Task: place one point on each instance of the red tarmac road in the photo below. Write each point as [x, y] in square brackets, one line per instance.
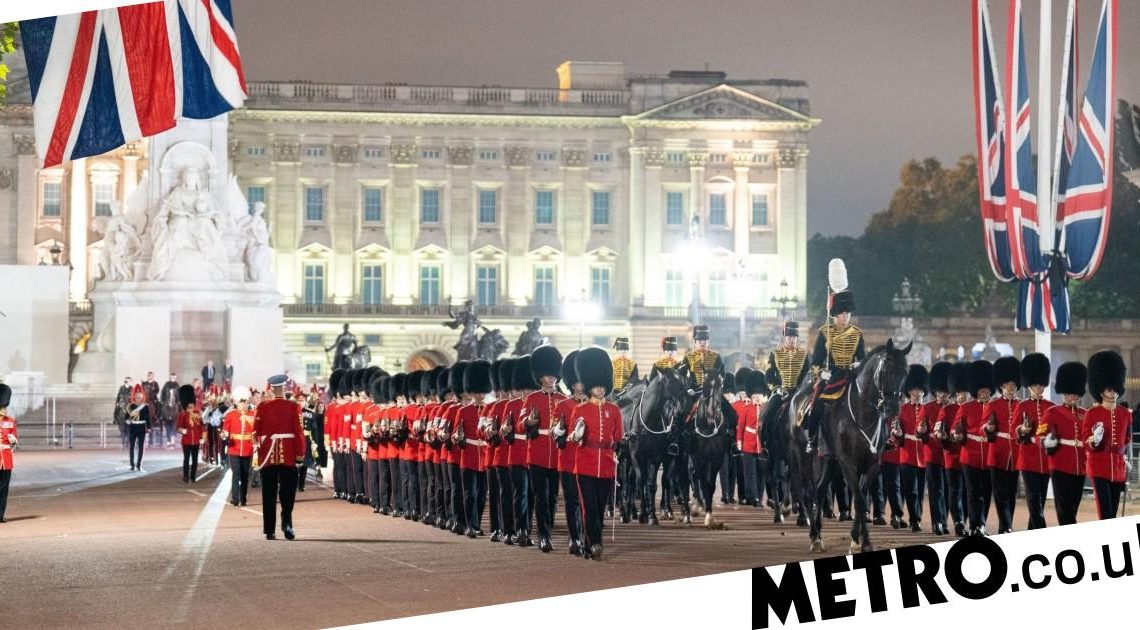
[90, 544]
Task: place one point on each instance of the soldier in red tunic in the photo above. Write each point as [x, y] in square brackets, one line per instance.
[409, 451]
[192, 430]
[501, 466]
[1107, 432]
[457, 523]
[970, 425]
[1029, 418]
[373, 414]
[748, 413]
[597, 431]
[332, 431]
[1063, 444]
[542, 458]
[476, 386]
[489, 433]
[429, 448]
[279, 441]
[945, 431]
[1000, 430]
[568, 453]
[9, 437]
[911, 465]
[524, 385]
[237, 431]
[932, 445]
[442, 439]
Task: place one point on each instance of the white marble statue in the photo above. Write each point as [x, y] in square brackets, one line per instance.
[121, 248]
[188, 221]
[256, 254]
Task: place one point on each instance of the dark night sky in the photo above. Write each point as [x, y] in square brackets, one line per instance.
[890, 79]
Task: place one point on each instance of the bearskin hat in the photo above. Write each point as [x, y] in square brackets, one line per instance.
[399, 385]
[455, 379]
[443, 382]
[569, 374]
[668, 344]
[842, 302]
[521, 376]
[334, 381]
[940, 376]
[1071, 378]
[1106, 371]
[378, 389]
[6, 395]
[621, 343]
[791, 329]
[728, 385]
[360, 380]
[594, 369]
[959, 380]
[427, 381]
[496, 384]
[390, 390]
[916, 377]
[186, 396]
[412, 385]
[346, 383]
[477, 377]
[700, 332]
[980, 376]
[1007, 370]
[1035, 369]
[741, 379]
[755, 383]
[506, 371]
[545, 361]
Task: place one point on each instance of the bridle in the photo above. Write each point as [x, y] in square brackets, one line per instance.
[718, 425]
[876, 380]
[639, 413]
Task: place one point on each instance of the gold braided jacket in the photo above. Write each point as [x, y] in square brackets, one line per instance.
[623, 368]
[699, 362]
[841, 345]
[789, 364]
[665, 363]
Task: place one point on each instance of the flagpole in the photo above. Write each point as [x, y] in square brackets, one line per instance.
[1043, 341]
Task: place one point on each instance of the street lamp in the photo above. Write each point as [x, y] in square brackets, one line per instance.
[581, 311]
[694, 254]
[783, 302]
[906, 304]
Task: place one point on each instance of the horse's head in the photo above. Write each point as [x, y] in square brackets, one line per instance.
[884, 372]
[673, 391]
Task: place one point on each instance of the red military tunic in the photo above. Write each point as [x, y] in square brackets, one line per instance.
[357, 426]
[1031, 456]
[373, 413]
[451, 451]
[441, 414]
[1002, 452]
[503, 450]
[191, 427]
[747, 426]
[346, 425]
[8, 436]
[517, 450]
[239, 426]
[1065, 424]
[890, 451]
[910, 447]
[595, 457]
[278, 436]
[568, 455]
[395, 417]
[332, 424]
[951, 451]
[430, 450]
[468, 418]
[931, 446]
[540, 449]
[1106, 461]
[490, 421]
[973, 451]
[410, 449]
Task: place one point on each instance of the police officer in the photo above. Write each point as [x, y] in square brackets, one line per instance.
[279, 442]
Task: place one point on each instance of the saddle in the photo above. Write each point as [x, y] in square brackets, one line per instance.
[833, 390]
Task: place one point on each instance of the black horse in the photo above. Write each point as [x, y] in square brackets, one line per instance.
[854, 434]
[709, 442]
[649, 411]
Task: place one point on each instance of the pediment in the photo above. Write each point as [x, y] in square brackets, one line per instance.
[724, 102]
[431, 237]
[315, 236]
[372, 238]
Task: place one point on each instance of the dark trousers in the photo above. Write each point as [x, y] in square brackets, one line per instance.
[751, 476]
[340, 486]
[890, 476]
[936, 485]
[876, 496]
[447, 501]
[506, 500]
[136, 437]
[5, 480]
[422, 502]
[428, 487]
[545, 490]
[480, 500]
[470, 497]
[1067, 492]
[776, 486]
[212, 443]
[911, 491]
[955, 494]
[979, 491]
[573, 507]
[396, 485]
[1005, 497]
[189, 462]
[372, 482]
[440, 485]
[593, 492]
[1036, 486]
[494, 499]
[1107, 496]
[349, 477]
[727, 478]
[302, 475]
[410, 481]
[358, 472]
[239, 482]
[278, 483]
[455, 475]
[520, 483]
[384, 485]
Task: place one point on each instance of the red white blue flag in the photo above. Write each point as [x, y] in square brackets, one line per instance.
[100, 79]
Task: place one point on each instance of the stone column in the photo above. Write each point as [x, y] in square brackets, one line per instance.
[653, 270]
[130, 170]
[787, 203]
[637, 232]
[26, 211]
[77, 221]
[285, 209]
[742, 210]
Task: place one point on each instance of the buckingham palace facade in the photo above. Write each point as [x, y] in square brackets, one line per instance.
[655, 199]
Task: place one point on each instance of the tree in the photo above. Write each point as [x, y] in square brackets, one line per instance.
[8, 32]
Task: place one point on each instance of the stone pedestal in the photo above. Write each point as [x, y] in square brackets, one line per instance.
[33, 329]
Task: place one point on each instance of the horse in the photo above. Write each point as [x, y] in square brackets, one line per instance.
[649, 411]
[854, 433]
[709, 442]
[491, 344]
[361, 357]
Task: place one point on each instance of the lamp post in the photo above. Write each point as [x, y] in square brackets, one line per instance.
[581, 311]
[695, 255]
[740, 289]
[783, 301]
[906, 304]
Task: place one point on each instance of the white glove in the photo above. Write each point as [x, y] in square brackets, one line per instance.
[1098, 434]
[1051, 441]
[11, 439]
[856, 364]
[739, 445]
[825, 375]
[579, 431]
[483, 424]
[182, 431]
[559, 430]
[1127, 464]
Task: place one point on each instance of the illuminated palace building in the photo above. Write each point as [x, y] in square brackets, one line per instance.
[389, 204]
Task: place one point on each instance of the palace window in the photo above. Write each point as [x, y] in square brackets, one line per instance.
[544, 156]
[373, 153]
[53, 192]
[600, 285]
[488, 204]
[544, 286]
[429, 284]
[716, 287]
[603, 157]
[430, 154]
[254, 194]
[544, 207]
[373, 205]
[674, 208]
[312, 372]
[314, 151]
[675, 157]
[312, 339]
[488, 155]
[674, 288]
[760, 210]
[429, 205]
[314, 204]
[718, 209]
[314, 284]
[372, 340]
[600, 205]
[716, 157]
[372, 283]
[486, 285]
[104, 194]
[255, 151]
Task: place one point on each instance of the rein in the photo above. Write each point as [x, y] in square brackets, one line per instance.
[640, 414]
[716, 427]
[872, 441]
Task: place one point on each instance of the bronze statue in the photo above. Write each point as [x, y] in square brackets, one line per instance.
[467, 348]
[345, 346]
[529, 339]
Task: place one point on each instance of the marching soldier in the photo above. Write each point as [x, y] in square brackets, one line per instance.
[332, 431]
[278, 444]
[970, 425]
[523, 379]
[1107, 432]
[597, 431]
[951, 440]
[546, 369]
[489, 433]
[906, 434]
[237, 428]
[748, 411]
[377, 490]
[454, 441]
[1029, 418]
[1062, 441]
[430, 463]
[476, 385]
[839, 347]
[397, 434]
[668, 360]
[409, 451]
[501, 426]
[443, 440]
[1001, 434]
[929, 432]
[138, 425]
[9, 437]
[625, 370]
[568, 453]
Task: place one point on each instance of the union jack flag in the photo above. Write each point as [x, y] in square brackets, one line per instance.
[100, 79]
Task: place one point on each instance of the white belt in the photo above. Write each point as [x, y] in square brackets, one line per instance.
[1076, 443]
[976, 438]
[470, 442]
[544, 431]
[136, 421]
[5, 447]
[1004, 435]
[273, 444]
[520, 436]
[748, 430]
[910, 436]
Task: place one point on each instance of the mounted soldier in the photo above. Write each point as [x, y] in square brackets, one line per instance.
[838, 349]
[668, 360]
[625, 370]
[698, 365]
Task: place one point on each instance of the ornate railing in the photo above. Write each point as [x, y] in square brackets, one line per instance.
[417, 310]
[284, 92]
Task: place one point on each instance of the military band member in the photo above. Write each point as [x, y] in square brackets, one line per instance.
[625, 370]
[952, 441]
[748, 411]
[928, 432]
[911, 465]
[568, 454]
[1001, 432]
[279, 442]
[1107, 432]
[138, 425]
[970, 424]
[375, 481]
[1029, 420]
[237, 430]
[523, 378]
[668, 360]
[597, 431]
[542, 459]
[1062, 441]
[501, 426]
[839, 347]
[9, 437]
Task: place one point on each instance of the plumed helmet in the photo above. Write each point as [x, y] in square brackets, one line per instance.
[1035, 369]
[668, 344]
[841, 302]
[378, 389]
[837, 275]
[455, 379]
[1106, 371]
[728, 385]
[545, 361]
[186, 396]
[981, 376]
[741, 379]
[240, 393]
[1007, 370]
[1071, 378]
[594, 369]
[959, 378]
[334, 381]
[443, 382]
[506, 374]
[399, 385]
[621, 343]
[940, 376]
[700, 332]
[569, 374]
[477, 377]
[496, 384]
[756, 383]
[521, 376]
[916, 377]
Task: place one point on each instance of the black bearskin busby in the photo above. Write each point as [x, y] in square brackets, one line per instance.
[477, 377]
[496, 384]
[1035, 370]
[186, 396]
[399, 385]
[6, 395]
[545, 361]
[344, 387]
[455, 379]
[427, 382]
[1106, 371]
[1007, 370]
[378, 389]
[506, 373]
[728, 385]
[842, 302]
[443, 382]
[669, 344]
[940, 376]
[521, 376]
[756, 384]
[700, 332]
[594, 369]
[621, 343]
[741, 378]
[334, 381]
[569, 374]
[959, 380]
[412, 385]
[360, 380]
[390, 391]
[981, 376]
[1071, 378]
[917, 377]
